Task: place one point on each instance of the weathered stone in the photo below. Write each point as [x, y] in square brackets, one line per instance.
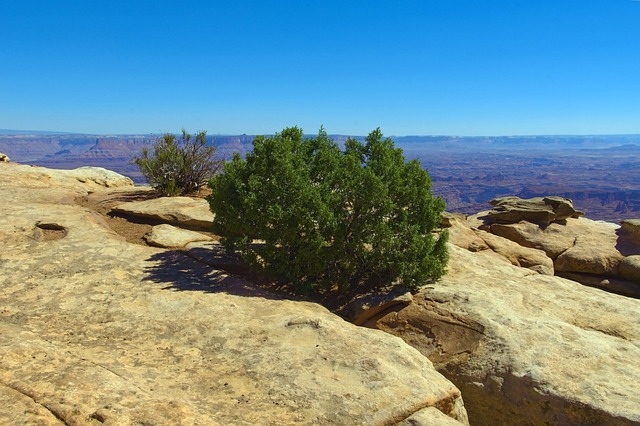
[620, 286]
[96, 330]
[363, 308]
[464, 237]
[577, 245]
[553, 239]
[526, 348]
[180, 211]
[594, 251]
[518, 255]
[448, 219]
[170, 236]
[537, 210]
[629, 267]
[4, 158]
[428, 417]
[632, 228]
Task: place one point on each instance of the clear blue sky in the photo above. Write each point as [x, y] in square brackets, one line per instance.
[454, 67]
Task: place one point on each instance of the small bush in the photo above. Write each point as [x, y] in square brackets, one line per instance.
[327, 218]
[179, 166]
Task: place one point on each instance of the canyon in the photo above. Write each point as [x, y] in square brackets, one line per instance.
[599, 173]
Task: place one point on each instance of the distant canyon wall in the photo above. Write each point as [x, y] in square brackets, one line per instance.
[598, 173]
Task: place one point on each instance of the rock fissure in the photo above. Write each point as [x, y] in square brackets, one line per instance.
[55, 413]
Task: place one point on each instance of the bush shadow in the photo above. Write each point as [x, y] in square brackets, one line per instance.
[210, 269]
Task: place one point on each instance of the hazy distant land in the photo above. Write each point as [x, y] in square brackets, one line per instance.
[599, 173]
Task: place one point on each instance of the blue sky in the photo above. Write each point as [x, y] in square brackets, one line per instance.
[446, 67]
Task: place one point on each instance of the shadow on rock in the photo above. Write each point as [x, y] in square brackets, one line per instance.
[209, 271]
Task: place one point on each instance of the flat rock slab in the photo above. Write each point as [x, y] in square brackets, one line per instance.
[169, 236]
[94, 330]
[538, 210]
[526, 348]
[180, 211]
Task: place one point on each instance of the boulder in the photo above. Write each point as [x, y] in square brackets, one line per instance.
[96, 330]
[100, 176]
[169, 236]
[577, 245]
[629, 267]
[525, 348]
[553, 239]
[184, 212]
[537, 210]
[632, 228]
[4, 158]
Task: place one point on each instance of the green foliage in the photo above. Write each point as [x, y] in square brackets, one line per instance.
[307, 213]
[179, 166]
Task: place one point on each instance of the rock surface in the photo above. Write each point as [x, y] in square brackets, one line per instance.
[525, 348]
[180, 211]
[518, 255]
[94, 330]
[632, 228]
[537, 210]
[4, 158]
[169, 236]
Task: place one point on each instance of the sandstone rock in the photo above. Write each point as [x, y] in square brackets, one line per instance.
[578, 245]
[4, 158]
[527, 349]
[553, 239]
[180, 211]
[365, 307]
[537, 210]
[428, 417]
[170, 236]
[629, 267]
[518, 255]
[448, 219]
[100, 176]
[464, 237]
[632, 227]
[594, 251]
[620, 286]
[95, 330]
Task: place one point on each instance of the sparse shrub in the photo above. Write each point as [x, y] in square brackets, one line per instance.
[307, 213]
[179, 166]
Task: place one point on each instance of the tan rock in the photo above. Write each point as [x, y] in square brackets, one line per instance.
[594, 251]
[553, 239]
[578, 245]
[527, 348]
[96, 330]
[632, 228]
[620, 286]
[518, 255]
[538, 210]
[169, 236]
[428, 417]
[629, 267]
[365, 307]
[461, 235]
[448, 219]
[4, 158]
[180, 211]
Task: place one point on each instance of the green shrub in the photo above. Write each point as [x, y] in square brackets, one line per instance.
[179, 166]
[307, 213]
